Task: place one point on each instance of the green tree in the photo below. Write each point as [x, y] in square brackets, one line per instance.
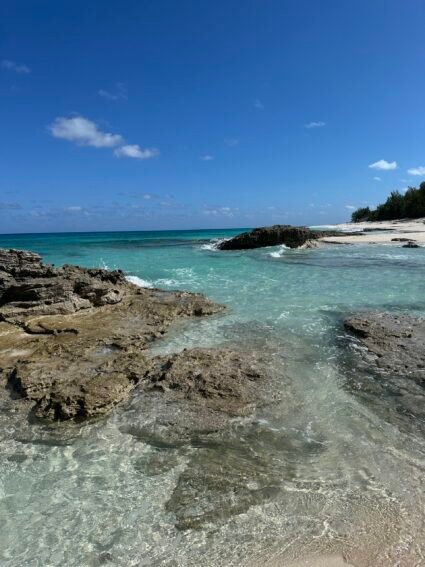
[361, 215]
[397, 206]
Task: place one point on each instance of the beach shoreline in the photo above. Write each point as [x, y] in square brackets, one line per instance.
[380, 232]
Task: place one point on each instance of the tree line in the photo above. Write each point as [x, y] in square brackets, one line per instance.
[411, 205]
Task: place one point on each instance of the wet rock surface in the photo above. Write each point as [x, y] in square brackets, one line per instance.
[199, 404]
[290, 236]
[73, 341]
[392, 364]
[220, 379]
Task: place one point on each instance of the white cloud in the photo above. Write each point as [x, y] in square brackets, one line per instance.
[83, 132]
[76, 210]
[383, 165]
[16, 67]
[9, 206]
[207, 158]
[119, 92]
[258, 104]
[73, 209]
[416, 171]
[135, 151]
[231, 142]
[377, 179]
[315, 125]
[350, 207]
[220, 211]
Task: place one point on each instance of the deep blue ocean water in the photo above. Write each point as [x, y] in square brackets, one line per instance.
[68, 504]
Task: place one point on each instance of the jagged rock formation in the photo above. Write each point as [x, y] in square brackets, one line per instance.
[72, 340]
[29, 287]
[73, 343]
[291, 236]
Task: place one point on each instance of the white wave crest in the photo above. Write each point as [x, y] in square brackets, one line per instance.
[279, 253]
[139, 281]
[212, 245]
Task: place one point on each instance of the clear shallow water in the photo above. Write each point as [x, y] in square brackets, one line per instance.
[322, 471]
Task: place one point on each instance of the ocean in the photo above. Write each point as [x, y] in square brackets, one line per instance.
[325, 470]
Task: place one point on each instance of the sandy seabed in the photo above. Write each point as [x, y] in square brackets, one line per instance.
[315, 561]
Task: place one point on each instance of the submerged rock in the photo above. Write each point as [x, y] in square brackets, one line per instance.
[220, 379]
[73, 340]
[395, 352]
[291, 236]
[396, 340]
[191, 398]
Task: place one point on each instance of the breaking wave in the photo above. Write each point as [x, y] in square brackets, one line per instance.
[139, 281]
[278, 253]
[212, 245]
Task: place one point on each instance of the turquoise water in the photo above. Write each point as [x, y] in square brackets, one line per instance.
[347, 476]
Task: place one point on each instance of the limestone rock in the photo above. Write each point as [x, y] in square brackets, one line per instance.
[29, 287]
[73, 340]
[397, 341]
[221, 379]
[390, 371]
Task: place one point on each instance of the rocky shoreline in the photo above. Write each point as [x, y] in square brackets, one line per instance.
[406, 235]
[74, 343]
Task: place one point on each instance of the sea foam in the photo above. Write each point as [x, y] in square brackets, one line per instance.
[280, 252]
[139, 281]
[212, 245]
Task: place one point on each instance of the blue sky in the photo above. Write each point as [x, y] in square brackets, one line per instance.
[196, 114]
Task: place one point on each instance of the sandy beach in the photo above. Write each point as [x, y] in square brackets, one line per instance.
[383, 232]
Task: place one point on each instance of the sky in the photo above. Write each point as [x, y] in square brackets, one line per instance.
[165, 114]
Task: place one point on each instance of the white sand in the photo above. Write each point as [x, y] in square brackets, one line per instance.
[321, 561]
[313, 561]
[412, 229]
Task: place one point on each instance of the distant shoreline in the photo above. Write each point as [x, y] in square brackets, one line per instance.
[386, 232]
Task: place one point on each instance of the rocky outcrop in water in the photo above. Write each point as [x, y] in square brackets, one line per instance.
[290, 236]
[73, 344]
[220, 379]
[72, 340]
[395, 352]
[396, 340]
[29, 287]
